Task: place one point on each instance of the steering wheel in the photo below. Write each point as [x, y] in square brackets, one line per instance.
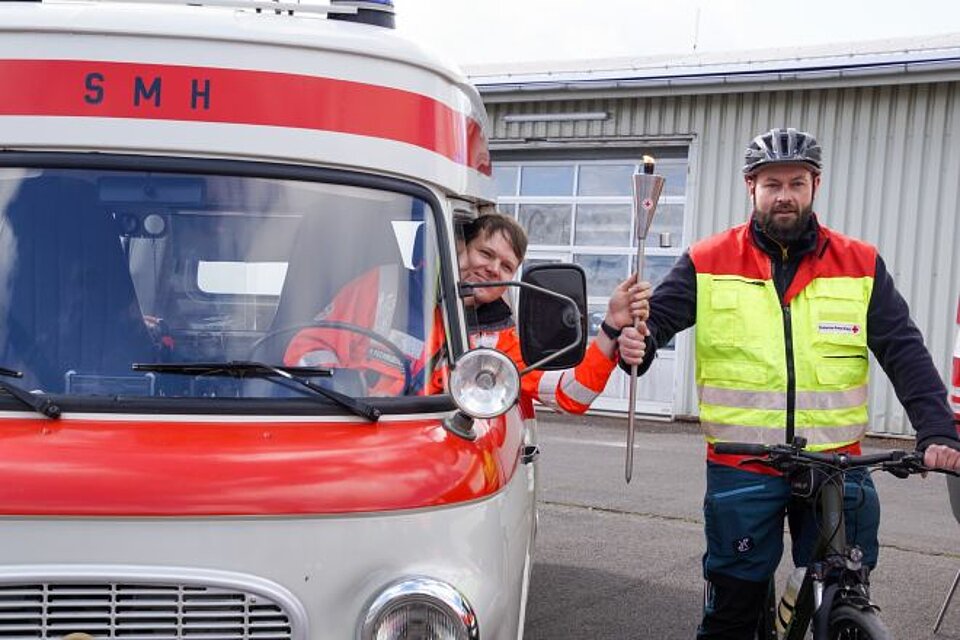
[287, 333]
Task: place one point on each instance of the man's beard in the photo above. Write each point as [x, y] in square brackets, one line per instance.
[786, 232]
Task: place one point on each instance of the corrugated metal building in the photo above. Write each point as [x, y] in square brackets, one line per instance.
[568, 135]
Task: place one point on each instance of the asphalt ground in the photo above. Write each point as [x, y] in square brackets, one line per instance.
[623, 561]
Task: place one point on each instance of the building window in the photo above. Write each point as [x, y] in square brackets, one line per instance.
[547, 224]
[581, 211]
[546, 180]
[603, 224]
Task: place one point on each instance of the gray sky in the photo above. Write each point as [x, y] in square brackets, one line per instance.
[481, 31]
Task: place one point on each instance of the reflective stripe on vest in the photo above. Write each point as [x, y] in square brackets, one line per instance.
[817, 437]
[819, 400]
[741, 367]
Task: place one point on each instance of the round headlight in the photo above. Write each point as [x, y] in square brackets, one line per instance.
[484, 383]
[420, 608]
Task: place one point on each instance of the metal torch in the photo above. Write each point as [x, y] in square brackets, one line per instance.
[647, 187]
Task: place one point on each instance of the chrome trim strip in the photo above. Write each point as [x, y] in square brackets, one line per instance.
[421, 588]
[220, 418]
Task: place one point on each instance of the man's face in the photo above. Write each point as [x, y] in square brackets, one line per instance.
[488, 258]
[782, 197]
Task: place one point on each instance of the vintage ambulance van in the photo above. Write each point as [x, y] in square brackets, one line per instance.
[955, 375]
[184, 190]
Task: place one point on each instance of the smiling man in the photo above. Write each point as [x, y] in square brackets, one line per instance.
[490, 249]
[787, 312]
[493, 246]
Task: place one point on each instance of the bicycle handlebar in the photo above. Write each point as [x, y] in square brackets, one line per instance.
[784, 456]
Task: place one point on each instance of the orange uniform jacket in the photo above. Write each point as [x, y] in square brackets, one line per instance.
[361, 303]
[570, 390]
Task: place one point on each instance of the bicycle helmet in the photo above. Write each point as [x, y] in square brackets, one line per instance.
[779, 146]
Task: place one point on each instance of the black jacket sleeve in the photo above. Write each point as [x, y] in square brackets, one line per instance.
[898, 346]
[673, 308]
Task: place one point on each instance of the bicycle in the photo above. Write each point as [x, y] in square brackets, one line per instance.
[834, 594]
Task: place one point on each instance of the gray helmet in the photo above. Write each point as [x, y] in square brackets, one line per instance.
[780, 146]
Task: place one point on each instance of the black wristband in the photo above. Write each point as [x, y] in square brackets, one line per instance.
[612, 333]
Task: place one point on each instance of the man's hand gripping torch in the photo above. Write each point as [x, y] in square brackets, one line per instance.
[647, 187]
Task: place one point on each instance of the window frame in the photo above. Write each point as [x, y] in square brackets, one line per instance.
[309, 406]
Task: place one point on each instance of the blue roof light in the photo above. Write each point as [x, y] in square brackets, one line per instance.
[375, 12]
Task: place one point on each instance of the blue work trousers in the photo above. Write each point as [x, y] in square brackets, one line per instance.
[744, 520]
[744, 514]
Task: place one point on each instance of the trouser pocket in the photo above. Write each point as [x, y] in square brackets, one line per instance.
[743, 515]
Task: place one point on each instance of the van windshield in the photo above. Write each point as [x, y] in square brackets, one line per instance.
[103, 269]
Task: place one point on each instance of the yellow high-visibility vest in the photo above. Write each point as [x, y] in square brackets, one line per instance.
[766, 368]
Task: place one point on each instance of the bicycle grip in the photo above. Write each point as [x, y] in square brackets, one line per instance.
[740, 448]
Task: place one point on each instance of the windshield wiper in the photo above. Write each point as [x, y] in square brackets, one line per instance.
[38, 403]
[241, 368]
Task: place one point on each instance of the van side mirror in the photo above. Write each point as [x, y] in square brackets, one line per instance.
[553, 316]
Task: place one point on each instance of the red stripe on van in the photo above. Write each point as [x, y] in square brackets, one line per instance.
[206, 94]
[956, 367]
[107, 468]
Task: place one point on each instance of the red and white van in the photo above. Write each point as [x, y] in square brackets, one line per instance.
[183, 189]
[955, 375]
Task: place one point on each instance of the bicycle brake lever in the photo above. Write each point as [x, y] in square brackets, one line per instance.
[915, 460]
[905, 466]
[896, 469]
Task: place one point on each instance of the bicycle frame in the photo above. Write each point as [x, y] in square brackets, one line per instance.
[833, 590]
[833, 593]
[833, 563]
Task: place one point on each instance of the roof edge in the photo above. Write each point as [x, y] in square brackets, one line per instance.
[888, 57]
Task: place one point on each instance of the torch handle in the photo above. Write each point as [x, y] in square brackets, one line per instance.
[632, 398]
[647, 188]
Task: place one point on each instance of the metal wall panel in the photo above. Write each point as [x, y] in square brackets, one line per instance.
[892, 178]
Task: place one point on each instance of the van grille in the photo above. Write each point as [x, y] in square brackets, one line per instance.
[138, 611]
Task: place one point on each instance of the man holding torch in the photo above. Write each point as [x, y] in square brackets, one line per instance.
[786, 311]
